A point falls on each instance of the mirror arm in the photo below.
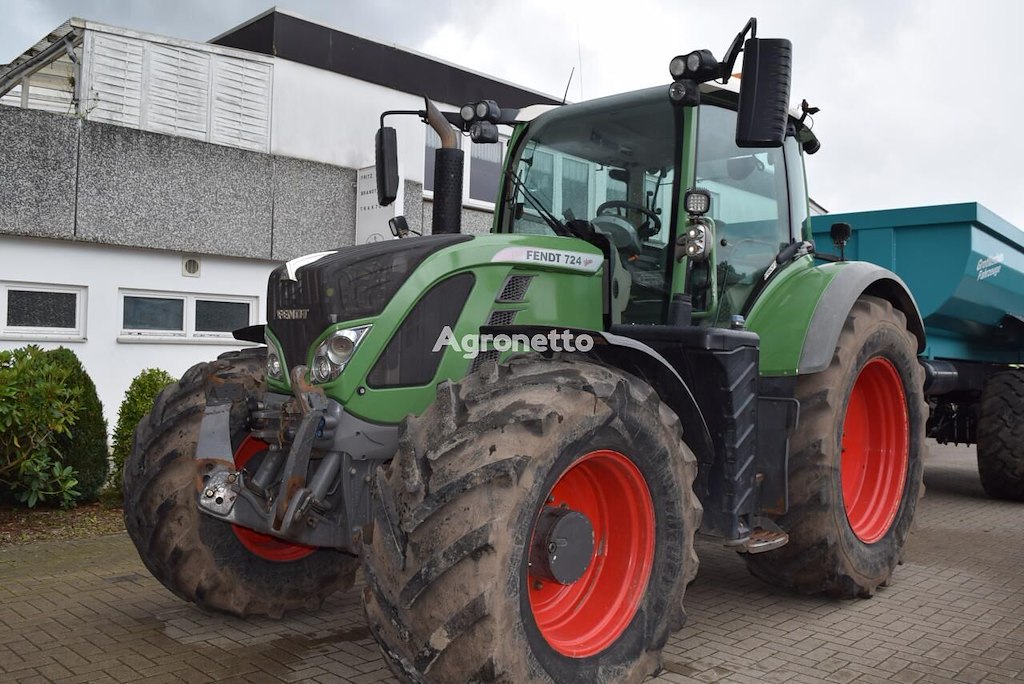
(418, 112)
(729, 61)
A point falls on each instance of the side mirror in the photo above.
(386, 159)
(399, 227)
(764, 92)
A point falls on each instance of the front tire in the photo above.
(216, 565)
(856, 461)
(454, 588)
(1001, 436)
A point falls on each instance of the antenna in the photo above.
(566, 95)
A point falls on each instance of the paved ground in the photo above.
(89, 611)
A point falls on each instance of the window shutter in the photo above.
(177, 91)
(115, 92)
(241, 103)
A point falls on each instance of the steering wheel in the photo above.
(616, 208)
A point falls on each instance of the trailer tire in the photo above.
(856, 461)
(1001, 436)
(452, 593)
(209, 562)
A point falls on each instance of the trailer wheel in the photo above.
(216, 565)
(856, 461)
(536, 525)
(1001, 436)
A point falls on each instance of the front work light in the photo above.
(483, 132)
(479, 119)
(697, 202)
(488, 110)
(699, 65)
(677, 67)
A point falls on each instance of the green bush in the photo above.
(37, 406)
(138, 401)
(85, 447)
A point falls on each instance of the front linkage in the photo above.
(280, 494)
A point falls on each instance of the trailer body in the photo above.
(964, 266)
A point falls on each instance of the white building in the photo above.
(149, 185)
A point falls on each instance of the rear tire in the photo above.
(201, 559)
(855, 461)
(452, 595)
(1001, 436)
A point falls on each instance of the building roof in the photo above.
(60, 40)
(289, 36)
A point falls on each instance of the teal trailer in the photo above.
(964, 266)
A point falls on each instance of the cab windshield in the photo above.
(609, 162)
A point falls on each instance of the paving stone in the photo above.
(88, 611)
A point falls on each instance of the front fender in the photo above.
(647, 364)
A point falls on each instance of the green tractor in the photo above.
(668, 356)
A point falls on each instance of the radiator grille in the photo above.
(515, 288)
(502, 317)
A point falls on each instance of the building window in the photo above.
(433, 143)
(163, 314)
(37, 310)
(485, 171)
(152, 316)
(214, 316)
(481, 173)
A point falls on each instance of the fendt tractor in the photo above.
(692, 365)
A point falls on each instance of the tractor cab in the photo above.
(621, 164)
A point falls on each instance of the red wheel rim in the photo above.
(584, 618)
(263, 545)
(876, 440)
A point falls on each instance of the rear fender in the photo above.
(852, 281)
(801, 312)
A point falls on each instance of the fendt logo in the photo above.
(291, 314)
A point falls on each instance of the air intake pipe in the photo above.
(448, 164)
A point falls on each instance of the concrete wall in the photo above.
(66, 178)
(38, 171)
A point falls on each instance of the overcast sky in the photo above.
(920, 99)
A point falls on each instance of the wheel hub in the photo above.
(875, 450)
(602, 507)
(563, 544)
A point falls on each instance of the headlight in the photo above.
(334, 352)
(275, 366)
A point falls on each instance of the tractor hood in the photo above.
(405, 297)
(306, 296)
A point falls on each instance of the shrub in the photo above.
(138, 401)
(84, 448)
(36, 407)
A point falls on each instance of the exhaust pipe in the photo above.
(448, 164)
